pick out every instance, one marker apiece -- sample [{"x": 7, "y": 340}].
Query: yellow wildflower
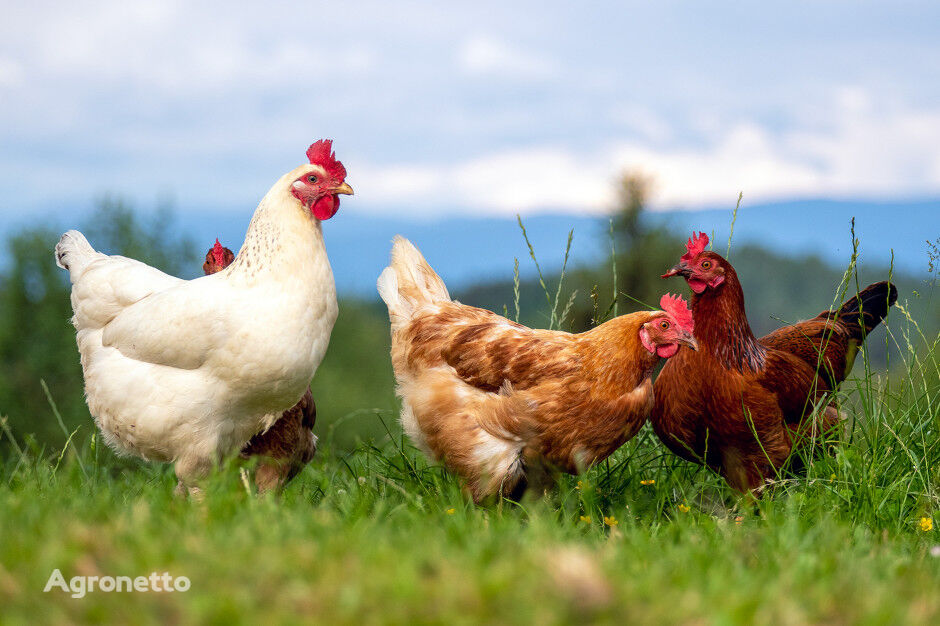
[
  {"x": 648, "y": 482},
  {"x": 451, "y": 511},
  {"x": 684, "y": 508},
  {"x": 611, "y": 521},
  {"x": 926, "y": 524},
  {"x": 578, "y": 486},
  {"x": 586, "y": 519}
]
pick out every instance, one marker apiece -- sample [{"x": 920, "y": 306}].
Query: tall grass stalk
[
  {"x": 613, "y": 268},
  {"x": 734, "y": 219},
  {"x": 553, "y": 302}
]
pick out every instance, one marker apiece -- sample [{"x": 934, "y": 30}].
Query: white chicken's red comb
[
  {"x": 321, "y": 153},
  {"x": 677, "y": 308},
  {"x": 695, "y": 246}
]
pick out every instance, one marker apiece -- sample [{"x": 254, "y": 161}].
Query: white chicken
[{"x": 187, "y": 371}]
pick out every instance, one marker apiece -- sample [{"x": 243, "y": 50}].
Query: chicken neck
[
  {"x": 281, "y": 239},
  {"x": 721, "y": 326}
]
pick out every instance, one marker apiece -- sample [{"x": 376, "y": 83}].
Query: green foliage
[
  {"x": 115, "y": 228},
  {"x": 643, "y": 252},
  {"x": 355, "y": 382},
  {"x": 36, "y": 339}
]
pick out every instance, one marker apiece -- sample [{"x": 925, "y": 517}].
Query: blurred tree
[
  {"x": 36, "y": 339},
  {"x": 633, "y": 193},
  {"x": 643, "y": 252},
  {"x": 115, "y": 228}
]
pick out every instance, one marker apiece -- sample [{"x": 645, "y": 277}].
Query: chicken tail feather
[
  {"x": 863, "y": 312},
  {"x": 74, "y": 253},
  {"x": 409, "y": 282}
]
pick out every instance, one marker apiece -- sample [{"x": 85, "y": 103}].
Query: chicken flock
[{"x": 192, "y": 372}]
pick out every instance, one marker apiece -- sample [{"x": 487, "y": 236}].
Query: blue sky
[{"x": 478, "y": 108}]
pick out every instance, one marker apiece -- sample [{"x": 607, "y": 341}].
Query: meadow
[
  {"x": 377, "y": 535},
  {"x": 371, "y": 533}
]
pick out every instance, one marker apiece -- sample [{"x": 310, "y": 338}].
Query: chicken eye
[
  {"x": 312, "y": 179},
  {"x": 706, "y": 265},
  {"x": 664, "y": 325}
]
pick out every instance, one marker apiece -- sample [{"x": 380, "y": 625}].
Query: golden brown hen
[{"x": 495, "y": 400}]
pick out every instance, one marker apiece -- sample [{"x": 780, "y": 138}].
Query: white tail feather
[
  {"x": 409, "y": 282},
  {"x": 74, "y": 253}
]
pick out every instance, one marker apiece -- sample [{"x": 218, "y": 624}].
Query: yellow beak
[{"x": 344, "y": 188}]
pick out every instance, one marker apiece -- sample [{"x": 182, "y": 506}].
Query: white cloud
[
  {"x": 500, "y": 183},
  {"x": 11, "y": 72},
  {"x": 744, "y": 158},
  {"x": 486, "y": 56},
  {"x": 523, "y": 180},
  {"x": 167, "y": 48},
  {"x": 397, "y": 183},
  {"x": 861, "y": 152}
]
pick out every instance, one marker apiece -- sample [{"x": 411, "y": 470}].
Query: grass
[{"x": 377, "y": 535}]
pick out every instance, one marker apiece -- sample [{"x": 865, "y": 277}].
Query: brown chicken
[
  {"x": 502, "y": 405},
  {"x": 741, "y": 404},
  {"x": 289, "y": 443}
]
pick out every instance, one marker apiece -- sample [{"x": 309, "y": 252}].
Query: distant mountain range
[{"x": 466, "y": 250}]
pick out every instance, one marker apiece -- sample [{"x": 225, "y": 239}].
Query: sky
[{"x": 441, "y": 108}]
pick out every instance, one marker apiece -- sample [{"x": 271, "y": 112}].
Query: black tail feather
[{"x": 862, "y": 313}]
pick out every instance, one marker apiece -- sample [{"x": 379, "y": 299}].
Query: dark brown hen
[{"x": 741, "y": 404}]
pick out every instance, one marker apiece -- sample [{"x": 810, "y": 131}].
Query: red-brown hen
[{"x": 741, "y": 404}]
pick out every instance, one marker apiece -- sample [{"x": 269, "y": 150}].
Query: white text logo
[{"x": 78, "y": 586}]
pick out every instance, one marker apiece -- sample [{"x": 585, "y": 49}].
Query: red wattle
[
  {"x": 326, "y": 207},
  {"x": 698, "y": 286},
  {"x": 667, "y": 350}
]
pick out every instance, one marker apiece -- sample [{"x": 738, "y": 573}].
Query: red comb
[
  {"x": 695, "y": 246},
  {"x": 321, "y": 153},
  {"x": 218, "y": 253},
  {"x": 677, "y": 308}
]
